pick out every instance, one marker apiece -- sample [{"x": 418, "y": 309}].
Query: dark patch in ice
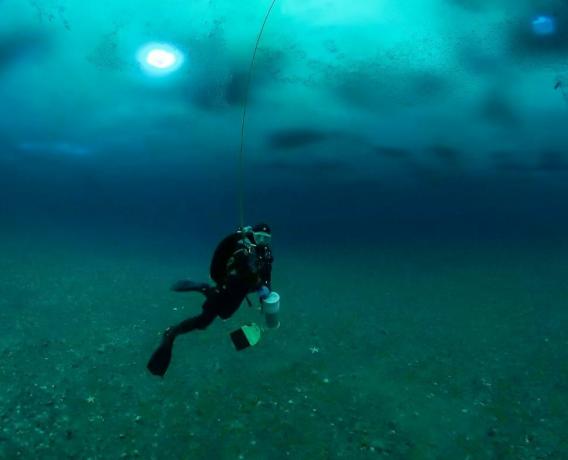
[
  {"x": 426, "y": 84},
  {"x": 315, "y": 166},
  {"x": 51, "y": 12},
  {"x": 506, "y": 162},
  {"x": 496, "y": 108},
  {"x": 480, "y": 62},
  {"x": 235, "y": 89},
  {"x": 445, "y": 154},
  {"x": 331, "y": 46},
  {"x": 296, "y": 138},
  {"x": 548, "y": 162},
  {"x": 216, "y": 84},
  {"x": 386, "y": 82},
  {"x": 394, "y": 153},
  {"x": 207, "y": 94},
  {"x": 552, "y": 162},
  {"x": 561, "y": 87},
  {"x": 106, "y": 56},
  {"x": 21, "y": 45}
]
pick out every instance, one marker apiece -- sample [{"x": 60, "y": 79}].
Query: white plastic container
[{"x": 271, "y": 309}]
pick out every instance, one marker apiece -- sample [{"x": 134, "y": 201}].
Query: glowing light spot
[
  {"x": 544, "y": 25},
  {"x": 160, "y": 58}
]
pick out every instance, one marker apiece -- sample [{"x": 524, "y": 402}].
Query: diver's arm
[
  {"x": 263, "y": 292},
  {"x": 266, "y": 270},
  {"x": 268, "y": 280}
]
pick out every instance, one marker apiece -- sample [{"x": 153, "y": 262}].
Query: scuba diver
[{"x": 241, "y": 264}]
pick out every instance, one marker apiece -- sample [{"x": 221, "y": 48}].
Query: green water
[{"x": 426, "y": 352}]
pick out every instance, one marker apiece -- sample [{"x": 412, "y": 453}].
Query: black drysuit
[{"x": 238, "y": 268}]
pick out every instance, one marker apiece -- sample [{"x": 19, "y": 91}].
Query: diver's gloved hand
[{"x": 263, "y": 293}]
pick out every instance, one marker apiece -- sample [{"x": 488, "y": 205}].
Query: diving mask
[{"x": 262, "y": 238}]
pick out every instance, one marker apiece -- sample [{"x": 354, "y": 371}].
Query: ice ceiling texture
[{"x": 371, "y": 87}]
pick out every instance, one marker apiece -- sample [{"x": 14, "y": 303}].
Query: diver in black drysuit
[{"x": 241, "y": 264}]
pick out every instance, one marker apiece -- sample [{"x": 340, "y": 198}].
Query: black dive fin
[{"x": 160, "y": 360}]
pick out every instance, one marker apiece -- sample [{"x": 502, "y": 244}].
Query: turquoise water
[{"x": 411, "y": 160}]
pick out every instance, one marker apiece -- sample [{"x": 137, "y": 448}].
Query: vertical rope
[{"x": 241, "y": 172}]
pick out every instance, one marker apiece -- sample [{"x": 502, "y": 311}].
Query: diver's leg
[
  {"x": 160, "y": 360},
  {"x": 196, "y": 322},
  {"x": 192, "y": 286}
]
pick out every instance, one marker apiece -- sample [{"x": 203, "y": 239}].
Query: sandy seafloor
[{"x": 425, "y": 350}]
